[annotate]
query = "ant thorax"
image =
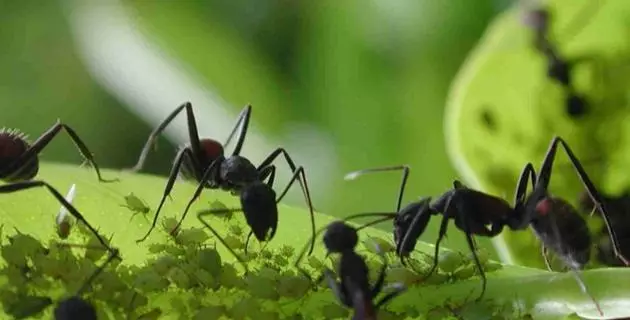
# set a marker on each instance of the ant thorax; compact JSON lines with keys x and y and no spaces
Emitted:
{"x":237,"y":172}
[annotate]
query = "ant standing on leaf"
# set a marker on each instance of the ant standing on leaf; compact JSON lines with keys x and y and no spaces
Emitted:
{"x":559,"y":69}
{"x":354,"y":290}
{"x":554,"y":221}
{"x":203,"y":161}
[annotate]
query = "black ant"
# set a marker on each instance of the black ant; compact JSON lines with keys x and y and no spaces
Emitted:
{"x":354,"y":290}
{"x":473,"y":211}
{"x":620,"y":217}
{"x":203,"y":160}
{"x":559,"y":68}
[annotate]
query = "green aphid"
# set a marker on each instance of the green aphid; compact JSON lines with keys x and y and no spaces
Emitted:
{"x":436,"y":278}
{"x":192,"y":237}
{"x":16,"y":276}
{"x":482,"y":255}
{"x":209,"y":312}
{"x":465,"y":272}
{"x":229,"y":278}
{"x":27,"y":306}
{"x":315,"y":263}
{"x":136,"y":205}
{"x":261,"y":287}
{"x":334,"y":311}
{"x":449,"y":261}
{"x":266,"y":254}
{"x":245,"y":308}
{"x":492,"y":265}
{"x":218,"y":205}
{"x":131,"y":299}
{"x":293,"y":286}
{"x":148,"y":280}
{"x":206,"y":279}
{"x":180,"y":278}
{"x":286,"y":251}
{"x":175,"y":251}
{"x":234,"y":242}
{"x":268,"y":273}
{"x":236,"y":230}
{"x":153,"y":314}
{"x":179,"y":305}
{"x":163,"y":264}
{"x":209,"y":259}
{"x":157,"y":248}
{"x":384,"y":246}
{"x":94,"y":249}
{"x":169,"y":225}
{"x":280,"y":261}
{"x":28,"y":244}
{"x":13,"y":255}
{"x":402,"y":275}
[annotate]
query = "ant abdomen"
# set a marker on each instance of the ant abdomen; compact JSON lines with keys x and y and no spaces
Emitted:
{"x":561,"y":229}
{"x":12,"y":145}
{"x":75,"y":308}
{"x":258,"y":202}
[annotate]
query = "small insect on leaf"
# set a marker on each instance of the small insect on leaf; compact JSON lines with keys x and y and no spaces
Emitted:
{"x":465,"y":272}
{"x":28,"y":244}
{"x":149,"y":281}
{"x":209,"y":312}
{"x":376,"y":244}
{"x":26,"y":306}
{"x":218,"y":205}
{"x":209,"y":259}
{"x":180,"y":278}
{"x":293,"y":286}
{"x":136,"y":205}
{"x":63,"y":219}
{"x":449,"y":261}
{"x":401,"y":274}
{"x":482,"y":254}
{"x":163,"y":264}
{"x":192,"y":237}
{"x":262,"y":287}
{"x":169,"y":226}
{"x":150,"y":315}
{"x":492,"y":266}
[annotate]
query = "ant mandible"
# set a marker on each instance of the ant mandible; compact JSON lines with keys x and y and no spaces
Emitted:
{"x":203,"y":160}
{"x":559,"y":69}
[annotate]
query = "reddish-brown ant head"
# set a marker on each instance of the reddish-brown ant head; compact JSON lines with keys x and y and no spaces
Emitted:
{"x":212,"y":148}
{"x":13,"y":144}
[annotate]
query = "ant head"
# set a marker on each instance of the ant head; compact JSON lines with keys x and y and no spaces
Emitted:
{"x":537,"y":19}
{"x":75,"y":308}
{"x":340,"y":237}
{"x":212,"y":148}
{"x":12,"y":144}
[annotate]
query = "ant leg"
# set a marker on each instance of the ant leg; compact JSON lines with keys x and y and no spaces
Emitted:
{"x":405,"y":174}
{"x":442,"y":233}
{"x":268,"y":172}
{"x":204,"y":178}
{"x":416,"y":227}
{"x":545,"y":255}
{"x":184,"y":154}
{"x":598,"y":201}
{"x":44,"y":140}
{"x":520,"y":220}
{"x":200,"y":216}
{"x":242,"y":122}
{"x":299,"y":175}
{"x":398,"y":289}
{"x":336,"y":288}
{"x":249,"y":236}
{"x":378,"y":286}
{"x":193,"y":135}
{"x":24,"y":185}
{"x":113,"y":254}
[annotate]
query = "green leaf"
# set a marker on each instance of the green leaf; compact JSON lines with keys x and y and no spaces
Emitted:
{"x":173,"y":285}
{"x":503,"y":110}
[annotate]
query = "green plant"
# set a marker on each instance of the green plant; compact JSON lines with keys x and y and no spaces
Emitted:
{"x":187,"y":276}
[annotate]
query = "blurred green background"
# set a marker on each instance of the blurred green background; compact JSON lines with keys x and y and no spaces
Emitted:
{"x":343,"y":85}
